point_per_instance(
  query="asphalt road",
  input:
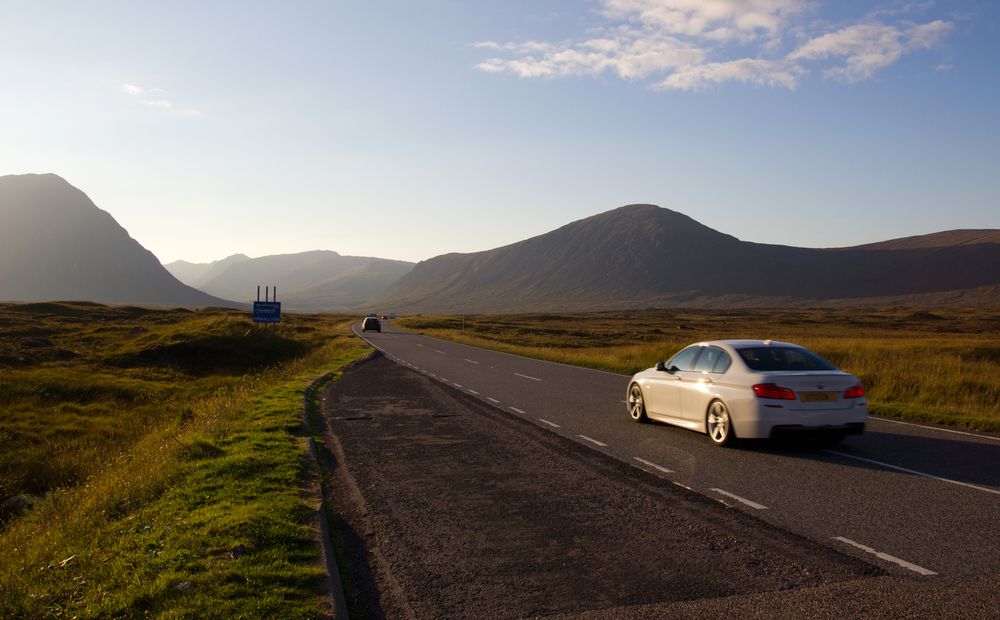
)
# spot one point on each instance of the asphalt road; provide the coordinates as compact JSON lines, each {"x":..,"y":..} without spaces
{"x":914,"y":499}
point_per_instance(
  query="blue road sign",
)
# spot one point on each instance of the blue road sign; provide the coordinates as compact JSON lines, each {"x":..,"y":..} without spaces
{"x":267,"y":312}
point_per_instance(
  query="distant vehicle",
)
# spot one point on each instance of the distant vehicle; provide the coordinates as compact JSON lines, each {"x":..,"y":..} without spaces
{"x":371,"y":324}
{"x":385,"y":318}
{"x":749,"y":389}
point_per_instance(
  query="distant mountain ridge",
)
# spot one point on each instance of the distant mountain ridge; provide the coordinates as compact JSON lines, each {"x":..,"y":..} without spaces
{"x":315,"y":280}
{"x":56,"y":244}
{"x":197,"y":274}
{"x":647,"y":256}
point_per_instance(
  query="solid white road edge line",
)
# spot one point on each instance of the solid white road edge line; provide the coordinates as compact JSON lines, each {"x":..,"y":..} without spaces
{"x":742,"y":500}
{"x":552,"y":424}
{"x":517,"y":410}
{"x":517,"y":374}
{"x":654,"y":465}
{"x":593,"y":441}
{"x":914,"y":472}
{"x":934,"y":428}
{"x":887,"y":557}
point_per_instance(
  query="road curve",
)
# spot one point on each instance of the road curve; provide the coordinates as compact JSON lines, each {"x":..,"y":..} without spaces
{"x":914,"y":499}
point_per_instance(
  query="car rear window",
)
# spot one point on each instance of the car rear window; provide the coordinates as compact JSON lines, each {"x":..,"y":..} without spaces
{"x":783,"y":358}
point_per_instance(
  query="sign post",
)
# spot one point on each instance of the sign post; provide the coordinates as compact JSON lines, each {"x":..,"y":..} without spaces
{"x":267,"y":311}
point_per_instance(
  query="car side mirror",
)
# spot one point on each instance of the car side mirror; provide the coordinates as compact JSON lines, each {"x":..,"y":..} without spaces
{"x":660,"y":366}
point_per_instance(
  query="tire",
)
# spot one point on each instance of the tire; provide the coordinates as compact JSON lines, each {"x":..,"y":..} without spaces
{"x":719,"y":424}
{"x":636,"y":404}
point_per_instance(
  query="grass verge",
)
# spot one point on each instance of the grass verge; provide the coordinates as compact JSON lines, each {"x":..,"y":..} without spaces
{"x":200,"y":512}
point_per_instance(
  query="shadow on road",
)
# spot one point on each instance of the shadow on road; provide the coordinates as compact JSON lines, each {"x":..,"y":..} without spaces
{"x":955,"y":459}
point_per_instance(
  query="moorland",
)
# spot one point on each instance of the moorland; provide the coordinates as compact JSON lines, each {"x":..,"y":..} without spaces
{"x":152,"y":461}
{"x":939,"y":365}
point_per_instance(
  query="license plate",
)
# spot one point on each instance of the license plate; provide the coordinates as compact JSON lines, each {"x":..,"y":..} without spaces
{"x":817,"y":397}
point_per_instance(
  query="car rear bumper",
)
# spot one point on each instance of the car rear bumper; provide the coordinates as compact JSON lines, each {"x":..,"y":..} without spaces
{"x":761,"y":422}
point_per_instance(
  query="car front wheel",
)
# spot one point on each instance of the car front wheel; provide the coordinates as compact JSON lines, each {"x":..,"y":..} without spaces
{"x":636,"y":405}
{"x":719,"y":425}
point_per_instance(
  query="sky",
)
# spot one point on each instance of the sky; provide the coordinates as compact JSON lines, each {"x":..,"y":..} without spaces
{"x":407,"y":129}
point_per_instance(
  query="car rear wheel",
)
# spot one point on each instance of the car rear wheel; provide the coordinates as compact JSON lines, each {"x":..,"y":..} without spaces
{"x":636,"y":404}
{"x":719,"y":425}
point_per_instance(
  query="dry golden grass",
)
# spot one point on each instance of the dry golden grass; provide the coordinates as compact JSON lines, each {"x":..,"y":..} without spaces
{"x":941,"y":366}
{"x":150,"y":443}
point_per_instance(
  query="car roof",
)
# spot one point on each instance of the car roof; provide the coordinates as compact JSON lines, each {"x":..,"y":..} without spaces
{"x":741,"y":344}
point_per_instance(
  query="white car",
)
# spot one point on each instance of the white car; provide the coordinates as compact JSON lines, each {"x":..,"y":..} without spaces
{"x":749,"y":389}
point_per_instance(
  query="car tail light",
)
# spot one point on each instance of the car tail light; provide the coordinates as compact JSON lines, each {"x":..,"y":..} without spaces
{"x":855,"y":391}
{"x":770,"y":390}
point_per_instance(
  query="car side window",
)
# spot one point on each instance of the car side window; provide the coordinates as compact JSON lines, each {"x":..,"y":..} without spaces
{"x":685,"y":360}
{"x":722,"y":364}
{"x":712,"y":359}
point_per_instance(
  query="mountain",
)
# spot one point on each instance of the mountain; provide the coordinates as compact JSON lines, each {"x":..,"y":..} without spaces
{"x":937,"y":240}
{"x":642,"y":256}
{"x":197,"y":274}
{"x":317,"y":280}
{"x":55,"y":244}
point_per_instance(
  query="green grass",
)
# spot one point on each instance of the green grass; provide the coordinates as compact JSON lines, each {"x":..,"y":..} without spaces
{"x":146,"y":470}
{"x":938,"y":366}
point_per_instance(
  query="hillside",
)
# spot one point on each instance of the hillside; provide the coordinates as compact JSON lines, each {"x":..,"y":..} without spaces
{"x":646,"y":256}
{"x":197,"y":274}
{"x":55,"y":244}
{"x":317,"y":280}
{"x":943,"y":239}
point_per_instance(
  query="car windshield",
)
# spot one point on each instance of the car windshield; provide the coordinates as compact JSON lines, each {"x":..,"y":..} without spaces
{"x":783,"y":358}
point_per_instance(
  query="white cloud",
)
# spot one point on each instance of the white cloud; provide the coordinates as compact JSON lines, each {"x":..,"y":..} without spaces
{"x":866,"y":48}
{"x":625,"y":52}
{"x":693,"y":44}
{"x":712,"y":19}
{"x":746,"y":70}
{"x":144,"y":95}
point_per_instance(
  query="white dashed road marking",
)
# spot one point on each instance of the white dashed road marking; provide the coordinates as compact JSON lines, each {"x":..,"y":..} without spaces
{"x":439,"y":351}
{"x":526,"y":376}
{"x":654,"y":465}
{"x":593,"y":441}
{"x":742,"y":500}
{"x":517,"y":410}
{"x":887,"y":557}
{"x":493,"y":400}
{"x":472,"y":361}
{"x":552,"y":424}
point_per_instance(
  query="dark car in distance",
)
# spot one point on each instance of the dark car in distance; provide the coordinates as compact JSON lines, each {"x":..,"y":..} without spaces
{"x":371,"y":323}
